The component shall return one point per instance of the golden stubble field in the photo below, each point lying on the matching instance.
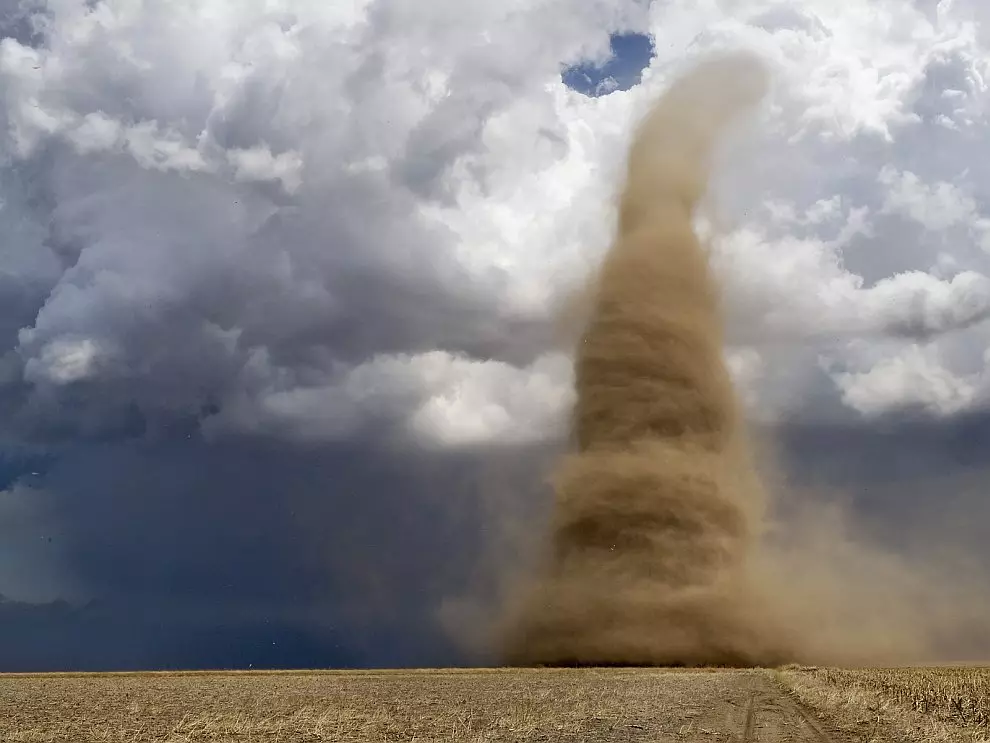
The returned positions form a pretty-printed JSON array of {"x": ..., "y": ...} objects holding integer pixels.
[
  {"x": 789, "y": 705},
  {"x": 910, "y": 704}
]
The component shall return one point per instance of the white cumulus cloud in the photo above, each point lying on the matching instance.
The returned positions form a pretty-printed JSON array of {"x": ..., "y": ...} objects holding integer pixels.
[{"x": 318, "y": 220}]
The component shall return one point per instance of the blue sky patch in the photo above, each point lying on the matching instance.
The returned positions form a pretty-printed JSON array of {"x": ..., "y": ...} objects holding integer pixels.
[{"x": 631, "y": 54}]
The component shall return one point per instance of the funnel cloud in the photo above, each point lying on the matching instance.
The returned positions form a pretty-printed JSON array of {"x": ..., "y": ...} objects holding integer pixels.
[
  {"x": 665, "y": 548},
  {"x": 657, "y": 510}
]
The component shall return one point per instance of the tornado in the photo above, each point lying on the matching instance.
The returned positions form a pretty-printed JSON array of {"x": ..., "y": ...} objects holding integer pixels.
[{"x": 657, "y": 503}]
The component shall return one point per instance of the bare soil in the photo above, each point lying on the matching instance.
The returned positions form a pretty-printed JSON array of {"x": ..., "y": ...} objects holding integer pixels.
[{"x": 567, "y": 705}]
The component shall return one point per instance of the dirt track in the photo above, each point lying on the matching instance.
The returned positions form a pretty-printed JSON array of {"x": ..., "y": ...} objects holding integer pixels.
[
  {"x": 476, "y": 706},
  {"x": 743, "y": 706},
  {"x": 774, "y": 716}
]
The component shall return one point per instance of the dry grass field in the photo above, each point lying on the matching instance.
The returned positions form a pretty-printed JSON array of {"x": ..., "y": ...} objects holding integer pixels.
[
  {"x": 585, "y": 705},
  {"x": 792, "y": 705},
  {"x": 910, "y": 704}
]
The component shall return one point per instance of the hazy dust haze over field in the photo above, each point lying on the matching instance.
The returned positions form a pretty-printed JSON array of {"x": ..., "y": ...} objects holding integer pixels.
[{"x": 661, "y": 549}]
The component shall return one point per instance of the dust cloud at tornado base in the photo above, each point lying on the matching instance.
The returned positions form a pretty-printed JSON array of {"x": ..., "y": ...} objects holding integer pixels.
[{"x": 665, "y": 544}]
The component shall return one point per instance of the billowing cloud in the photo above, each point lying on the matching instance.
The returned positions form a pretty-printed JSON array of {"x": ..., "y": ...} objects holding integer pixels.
[{"x": 354, "y": 185}]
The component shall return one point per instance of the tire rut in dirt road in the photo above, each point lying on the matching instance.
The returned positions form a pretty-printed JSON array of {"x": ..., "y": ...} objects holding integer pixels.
[
  {"x": 748, "y": 726},
  {"x": 732, "y": 706},
  {"x": 812, "y": 724},
  {"x": 773, "y": 716}
]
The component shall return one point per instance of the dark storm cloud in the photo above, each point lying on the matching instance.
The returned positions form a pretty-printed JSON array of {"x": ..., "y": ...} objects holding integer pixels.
[
  {"x": 345, "y": 555},
  {"x": 354, "y": 548},
  {"x": 916, "y": 484},
  {"x": 897, "y": 447},
  {"x": 101, "y": 636},
  {"x": 185, "y": 261}
]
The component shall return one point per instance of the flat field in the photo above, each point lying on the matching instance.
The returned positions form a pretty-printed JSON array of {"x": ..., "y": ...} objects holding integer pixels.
[
  {"x": 792, "y": 705},
  {"x": 911, "y": 704}
]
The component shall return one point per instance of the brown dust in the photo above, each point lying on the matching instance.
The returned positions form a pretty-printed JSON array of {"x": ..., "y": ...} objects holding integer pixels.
[{"x": 664, "y": 549}]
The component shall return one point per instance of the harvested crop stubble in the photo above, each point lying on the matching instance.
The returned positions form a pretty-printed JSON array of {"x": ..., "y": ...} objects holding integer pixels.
[
  {"x": 944, "y": 703},
  {"x": 957, "y": 695},
  {"x": 449, "y": 706}
]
